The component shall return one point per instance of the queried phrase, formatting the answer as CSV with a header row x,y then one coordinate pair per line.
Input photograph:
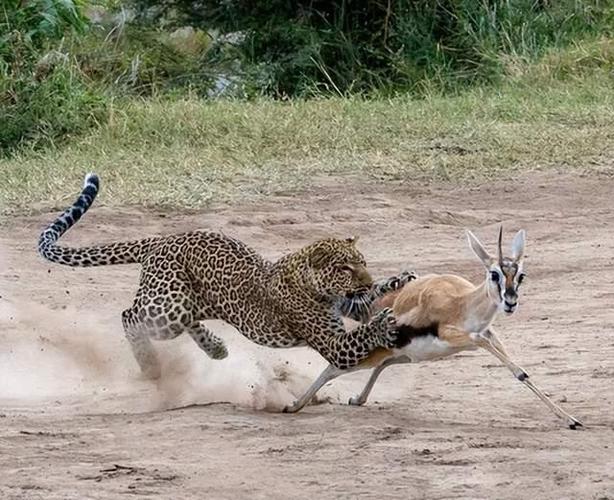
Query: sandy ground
x,y
77,421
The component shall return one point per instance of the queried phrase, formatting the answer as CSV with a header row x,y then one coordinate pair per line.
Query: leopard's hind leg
x,y
162,312
141,346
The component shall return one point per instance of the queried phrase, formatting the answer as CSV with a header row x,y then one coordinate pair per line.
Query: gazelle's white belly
x,y
427,348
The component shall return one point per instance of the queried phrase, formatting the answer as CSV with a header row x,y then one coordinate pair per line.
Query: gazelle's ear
x,y
479,250
518,244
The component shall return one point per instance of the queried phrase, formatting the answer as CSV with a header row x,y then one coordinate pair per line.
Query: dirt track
x,y
77,422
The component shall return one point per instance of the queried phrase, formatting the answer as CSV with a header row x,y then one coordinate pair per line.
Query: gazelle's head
x,y
504,274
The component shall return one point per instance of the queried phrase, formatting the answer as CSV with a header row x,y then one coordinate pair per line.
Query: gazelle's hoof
x,y
574,424
522,376
291,409
354,401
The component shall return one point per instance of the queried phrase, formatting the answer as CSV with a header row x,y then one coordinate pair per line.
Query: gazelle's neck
x,y
481,309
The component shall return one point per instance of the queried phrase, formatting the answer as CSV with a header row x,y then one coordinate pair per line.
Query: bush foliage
x,y
347,46
58,73
43,96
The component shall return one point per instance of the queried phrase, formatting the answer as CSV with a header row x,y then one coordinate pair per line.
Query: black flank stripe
x,y
406,333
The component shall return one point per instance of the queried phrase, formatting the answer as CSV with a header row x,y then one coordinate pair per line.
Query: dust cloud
x,y
66,358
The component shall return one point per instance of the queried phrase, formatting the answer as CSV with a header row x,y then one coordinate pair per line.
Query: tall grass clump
x,y
131,60
43,95
339,47
459,43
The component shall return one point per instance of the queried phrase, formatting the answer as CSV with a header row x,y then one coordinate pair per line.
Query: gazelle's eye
x,y
494,275
521,277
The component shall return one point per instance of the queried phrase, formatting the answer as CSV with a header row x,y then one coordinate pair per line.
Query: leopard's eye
x,y
346,268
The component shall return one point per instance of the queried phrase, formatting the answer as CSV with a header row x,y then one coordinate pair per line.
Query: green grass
x,y
187,153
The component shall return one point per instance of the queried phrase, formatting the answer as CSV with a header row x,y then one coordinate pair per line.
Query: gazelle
x,y
440,315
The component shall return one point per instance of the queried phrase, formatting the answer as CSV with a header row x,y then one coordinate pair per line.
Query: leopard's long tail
x,y
116,253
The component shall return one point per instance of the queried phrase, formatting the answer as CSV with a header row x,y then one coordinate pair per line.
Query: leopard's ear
x,y
352,240
319,257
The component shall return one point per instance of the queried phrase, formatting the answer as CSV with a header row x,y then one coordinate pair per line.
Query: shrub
x,y
43,96
136,60
41,112
300,47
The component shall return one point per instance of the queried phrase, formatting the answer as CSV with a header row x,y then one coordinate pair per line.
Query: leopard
x,y
188,278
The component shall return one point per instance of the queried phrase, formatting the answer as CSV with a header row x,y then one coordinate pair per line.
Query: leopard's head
x,y
336,267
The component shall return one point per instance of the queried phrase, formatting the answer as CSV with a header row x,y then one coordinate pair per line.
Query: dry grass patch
x,y
186,153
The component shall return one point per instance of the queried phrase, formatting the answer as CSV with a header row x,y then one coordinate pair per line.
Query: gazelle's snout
x,y
509,295
510,302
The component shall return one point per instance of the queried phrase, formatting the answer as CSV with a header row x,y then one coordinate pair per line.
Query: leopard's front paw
x,y
396,282
405,277
402,279
387,326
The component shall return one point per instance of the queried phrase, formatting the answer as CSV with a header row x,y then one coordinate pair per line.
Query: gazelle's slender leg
x,y
520,374
329,373
361,399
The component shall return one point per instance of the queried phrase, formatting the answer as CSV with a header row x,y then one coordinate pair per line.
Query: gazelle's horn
x,y
500,245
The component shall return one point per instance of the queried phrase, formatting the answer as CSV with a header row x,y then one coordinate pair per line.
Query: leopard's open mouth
x,y
357,292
